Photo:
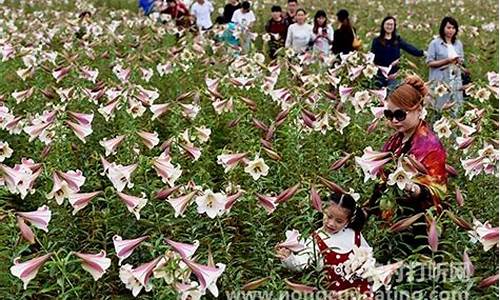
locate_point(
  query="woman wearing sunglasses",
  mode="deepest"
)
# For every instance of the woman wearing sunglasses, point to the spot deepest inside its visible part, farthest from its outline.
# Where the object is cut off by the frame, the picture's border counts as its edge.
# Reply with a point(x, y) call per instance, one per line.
point(414, 137)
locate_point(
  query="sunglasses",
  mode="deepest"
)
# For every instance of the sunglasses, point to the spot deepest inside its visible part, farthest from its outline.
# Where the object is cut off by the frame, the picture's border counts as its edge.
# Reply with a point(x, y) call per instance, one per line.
point(398, 114)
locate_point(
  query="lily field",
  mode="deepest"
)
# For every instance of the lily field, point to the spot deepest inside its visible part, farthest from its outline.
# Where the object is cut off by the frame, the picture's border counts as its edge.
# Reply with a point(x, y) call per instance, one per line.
point(135, 163)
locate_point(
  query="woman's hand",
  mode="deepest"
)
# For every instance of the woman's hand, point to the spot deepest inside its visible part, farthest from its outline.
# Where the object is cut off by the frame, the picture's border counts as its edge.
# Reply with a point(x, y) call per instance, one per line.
point(282, 252)
point(453, 60)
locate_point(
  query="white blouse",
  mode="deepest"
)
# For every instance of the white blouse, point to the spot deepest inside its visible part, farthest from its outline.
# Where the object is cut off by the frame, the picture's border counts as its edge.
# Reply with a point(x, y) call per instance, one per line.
point(341, 242)
point(298, 37)
point(321, 42)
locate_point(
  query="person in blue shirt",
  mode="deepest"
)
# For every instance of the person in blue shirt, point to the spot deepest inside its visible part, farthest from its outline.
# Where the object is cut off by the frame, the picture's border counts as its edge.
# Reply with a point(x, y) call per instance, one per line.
point(147, 6)
point(387, 49)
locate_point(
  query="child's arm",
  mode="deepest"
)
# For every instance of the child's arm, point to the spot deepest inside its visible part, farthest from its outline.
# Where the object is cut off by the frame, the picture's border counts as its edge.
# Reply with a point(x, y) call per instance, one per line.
point(303, 259)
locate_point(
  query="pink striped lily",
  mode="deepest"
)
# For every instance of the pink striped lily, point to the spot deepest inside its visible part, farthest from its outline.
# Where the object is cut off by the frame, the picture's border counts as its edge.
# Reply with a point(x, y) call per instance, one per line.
point(287, 194)
point(181, 203)
point(158, 110)
point(344, 92)
point(432, 235)
point(25, 73)
point(146, 74)
point(191, 151)
point(340, 162)
point(188, 291)
point(27, 270)
point(380, 94)
point(65, 184)
point(382, 275)
point(472, 166)
point(124, 248)
point(268, 202)
point(26, 231)
point(488, 281)
point(110, 145)
point(120, 175)
point(231, 199)
point(74, 179)
point(242, 82)
point(166, 170)
point(22, 95)
point(95, 264)
point(230, 161)
point(463, 143)
point(207, 276)
point(36, 130)
point(378, 111)
point(465, 129)
point(134, 204)
point(60, 73)
point(39, 218)
point(164, 69)
point(354, 72)
point(301, 288)
point(89, 74)
point(107, 111)
point(184, 250)
point(468, 266)
point(221, 106)
point(149, 139)
point(14, 125)
point(203, 133)
point(292, 241)
point(341, 121)
point(82, 119)
point(8, 52)
point(485, 234)
point(190, 111)
point(212, 87)
point(80, 130)
point(281, 95)
point(147, 97)
point(122, 74)
point(80, 200)
point(315, 199)
point(29, 173)
point(137, 278)
point(371, 162)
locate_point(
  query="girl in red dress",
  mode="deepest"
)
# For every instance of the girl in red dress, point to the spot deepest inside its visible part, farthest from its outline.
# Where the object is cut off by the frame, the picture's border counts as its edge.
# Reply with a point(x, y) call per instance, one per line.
point(334, 245)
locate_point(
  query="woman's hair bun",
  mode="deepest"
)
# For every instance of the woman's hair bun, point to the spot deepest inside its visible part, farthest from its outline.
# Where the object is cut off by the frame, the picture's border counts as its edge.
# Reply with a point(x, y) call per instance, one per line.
point(417, 83)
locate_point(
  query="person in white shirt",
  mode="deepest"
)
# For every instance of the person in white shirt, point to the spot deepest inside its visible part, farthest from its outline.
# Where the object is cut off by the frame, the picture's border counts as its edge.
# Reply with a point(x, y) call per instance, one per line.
point(322, 35)
point(202, 10)
point(299, 34)
point(244, 17)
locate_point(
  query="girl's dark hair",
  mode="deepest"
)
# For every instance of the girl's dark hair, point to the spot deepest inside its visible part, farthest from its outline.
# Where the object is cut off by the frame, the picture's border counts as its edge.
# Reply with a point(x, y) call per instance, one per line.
point(445, 21)
point(319, 14)
point(394, 34)
point(357, 216)
point(343, 17)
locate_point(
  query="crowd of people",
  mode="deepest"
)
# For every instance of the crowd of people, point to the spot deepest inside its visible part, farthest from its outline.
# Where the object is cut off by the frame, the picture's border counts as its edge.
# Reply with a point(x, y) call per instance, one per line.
point(289, 28)
point(343, 218)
